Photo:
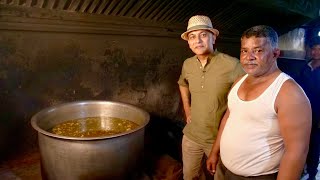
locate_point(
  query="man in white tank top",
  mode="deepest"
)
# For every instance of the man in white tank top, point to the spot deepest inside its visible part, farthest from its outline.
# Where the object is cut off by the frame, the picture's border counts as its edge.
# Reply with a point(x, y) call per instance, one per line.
point(265, 131)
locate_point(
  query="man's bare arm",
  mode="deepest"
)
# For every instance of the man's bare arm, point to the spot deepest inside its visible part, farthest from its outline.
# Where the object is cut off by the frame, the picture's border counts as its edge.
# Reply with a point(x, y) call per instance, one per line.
point(294, 115)
point(213, 158)
point(185, 96)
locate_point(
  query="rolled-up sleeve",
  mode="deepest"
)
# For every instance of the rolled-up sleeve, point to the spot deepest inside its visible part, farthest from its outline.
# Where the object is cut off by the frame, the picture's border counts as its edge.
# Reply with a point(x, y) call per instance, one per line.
point(182, 79)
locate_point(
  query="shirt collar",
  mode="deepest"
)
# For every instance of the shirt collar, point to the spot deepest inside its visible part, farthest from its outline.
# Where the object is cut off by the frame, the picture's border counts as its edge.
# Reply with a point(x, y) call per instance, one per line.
point(312, 69)
point(210, 56)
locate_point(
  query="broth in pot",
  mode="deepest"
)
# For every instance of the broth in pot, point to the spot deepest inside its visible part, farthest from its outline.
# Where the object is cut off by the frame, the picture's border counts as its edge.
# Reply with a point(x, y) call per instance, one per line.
point(93, 127)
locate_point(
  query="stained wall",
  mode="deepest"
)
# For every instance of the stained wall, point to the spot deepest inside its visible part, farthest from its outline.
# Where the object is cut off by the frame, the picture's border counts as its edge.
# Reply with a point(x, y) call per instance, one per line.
point(50, 57)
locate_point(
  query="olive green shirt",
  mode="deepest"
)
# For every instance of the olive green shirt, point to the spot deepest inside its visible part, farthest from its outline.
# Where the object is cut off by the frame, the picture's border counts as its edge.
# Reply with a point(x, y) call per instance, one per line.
point(208, 87)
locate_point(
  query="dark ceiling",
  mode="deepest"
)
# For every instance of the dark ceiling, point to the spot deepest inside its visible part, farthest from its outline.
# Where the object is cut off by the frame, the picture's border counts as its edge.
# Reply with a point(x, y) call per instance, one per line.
point(231, 17)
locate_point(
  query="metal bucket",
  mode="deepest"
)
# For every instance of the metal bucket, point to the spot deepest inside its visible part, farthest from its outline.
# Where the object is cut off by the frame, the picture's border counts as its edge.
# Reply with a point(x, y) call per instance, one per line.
point(106, 157)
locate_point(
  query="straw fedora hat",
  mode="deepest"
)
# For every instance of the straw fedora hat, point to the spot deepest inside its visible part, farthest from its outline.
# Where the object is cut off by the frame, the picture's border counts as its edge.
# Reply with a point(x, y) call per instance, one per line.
point(198, 22)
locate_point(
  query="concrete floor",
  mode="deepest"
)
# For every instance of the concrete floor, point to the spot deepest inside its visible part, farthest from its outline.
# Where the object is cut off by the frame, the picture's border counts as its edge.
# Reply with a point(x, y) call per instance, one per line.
point(27, 167)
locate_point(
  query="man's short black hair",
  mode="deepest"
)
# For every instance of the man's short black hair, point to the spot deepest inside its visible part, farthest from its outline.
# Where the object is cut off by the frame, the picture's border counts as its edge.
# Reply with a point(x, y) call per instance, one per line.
point(315, 41)
point(262, 31)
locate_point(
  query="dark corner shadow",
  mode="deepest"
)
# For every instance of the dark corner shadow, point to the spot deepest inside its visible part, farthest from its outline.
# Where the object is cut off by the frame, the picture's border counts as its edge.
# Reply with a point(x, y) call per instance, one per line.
point(163, 136)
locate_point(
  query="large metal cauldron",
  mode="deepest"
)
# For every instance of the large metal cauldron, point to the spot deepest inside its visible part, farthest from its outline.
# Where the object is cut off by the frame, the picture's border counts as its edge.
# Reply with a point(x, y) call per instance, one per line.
point(108, 157)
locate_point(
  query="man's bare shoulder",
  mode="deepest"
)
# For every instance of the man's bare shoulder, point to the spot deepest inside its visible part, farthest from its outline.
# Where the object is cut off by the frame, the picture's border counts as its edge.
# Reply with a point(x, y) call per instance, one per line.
point(291, 92)
point(239, 78)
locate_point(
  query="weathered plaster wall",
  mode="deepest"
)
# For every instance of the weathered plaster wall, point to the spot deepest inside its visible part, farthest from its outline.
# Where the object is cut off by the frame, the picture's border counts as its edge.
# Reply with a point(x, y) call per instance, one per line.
point(39, 69)
point(47, 58)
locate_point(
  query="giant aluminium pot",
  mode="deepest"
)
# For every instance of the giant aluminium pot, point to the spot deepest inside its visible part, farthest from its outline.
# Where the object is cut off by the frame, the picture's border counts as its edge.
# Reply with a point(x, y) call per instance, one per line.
point(107, 157)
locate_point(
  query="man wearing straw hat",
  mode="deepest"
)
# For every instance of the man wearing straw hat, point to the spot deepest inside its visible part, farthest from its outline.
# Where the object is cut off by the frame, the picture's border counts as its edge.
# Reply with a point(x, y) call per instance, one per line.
point(204, 83)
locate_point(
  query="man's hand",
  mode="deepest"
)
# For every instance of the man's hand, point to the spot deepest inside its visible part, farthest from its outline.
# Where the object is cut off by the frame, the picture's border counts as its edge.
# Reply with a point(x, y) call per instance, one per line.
point(212, 162)
point(188, 118)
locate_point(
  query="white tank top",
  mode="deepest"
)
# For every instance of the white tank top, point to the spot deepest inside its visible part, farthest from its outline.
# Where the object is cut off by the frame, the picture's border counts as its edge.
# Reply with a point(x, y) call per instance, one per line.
point(251, 144)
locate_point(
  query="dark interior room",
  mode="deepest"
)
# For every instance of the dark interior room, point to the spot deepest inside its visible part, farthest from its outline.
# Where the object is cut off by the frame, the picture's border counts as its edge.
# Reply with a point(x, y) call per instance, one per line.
point(128, 51)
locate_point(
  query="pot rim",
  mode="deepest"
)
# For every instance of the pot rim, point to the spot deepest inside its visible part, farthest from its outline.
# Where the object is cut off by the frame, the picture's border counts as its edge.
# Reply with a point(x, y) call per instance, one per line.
point(34, 120)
